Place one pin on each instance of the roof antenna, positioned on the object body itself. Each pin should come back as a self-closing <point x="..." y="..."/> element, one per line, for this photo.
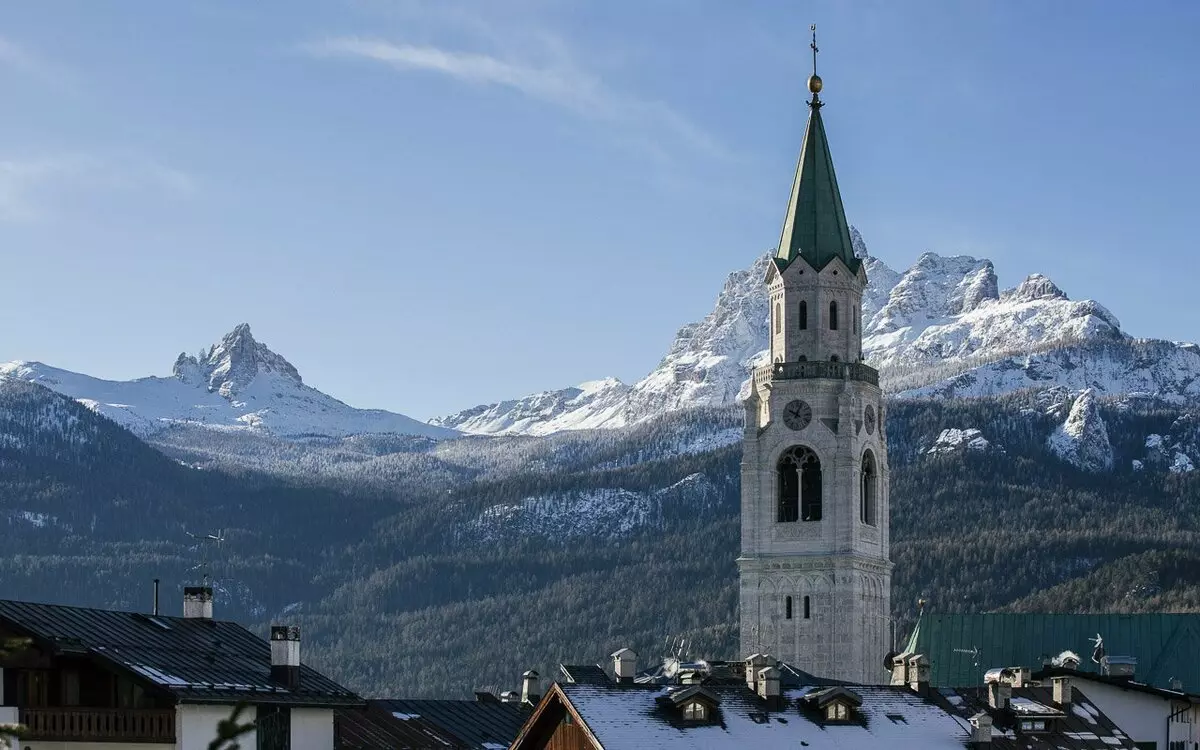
<point x="1098" y="648"/>
<point x="155" y="597"/>
<point x="206" y="541"/>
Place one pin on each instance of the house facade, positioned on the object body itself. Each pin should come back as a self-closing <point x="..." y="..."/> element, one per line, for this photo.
<point x="80" y="679"/>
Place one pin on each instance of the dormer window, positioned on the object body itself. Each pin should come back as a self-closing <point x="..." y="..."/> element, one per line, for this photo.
<point x="1033" y="725"/>
<point x="837" y="711"/>
<point x="691" y="704"/>
<point x="695" y="711"/>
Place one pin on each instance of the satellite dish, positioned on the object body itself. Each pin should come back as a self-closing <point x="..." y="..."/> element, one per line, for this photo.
<point x="887" y="660"/>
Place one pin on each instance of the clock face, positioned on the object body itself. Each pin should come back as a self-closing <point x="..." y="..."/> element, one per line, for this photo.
<point x="869" y="419"/>
<point x="797" y="415"/>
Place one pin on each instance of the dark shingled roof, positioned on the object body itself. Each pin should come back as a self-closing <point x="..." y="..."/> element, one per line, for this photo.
<point x="196" y="660"/>
<point x="412" y="724"/>
<point x="1082" y="726"/>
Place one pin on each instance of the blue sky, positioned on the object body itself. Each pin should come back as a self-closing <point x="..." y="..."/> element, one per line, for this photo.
<point x="428" y="205"/>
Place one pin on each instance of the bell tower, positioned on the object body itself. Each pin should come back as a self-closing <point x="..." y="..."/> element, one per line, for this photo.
<point x="815" y="573"/>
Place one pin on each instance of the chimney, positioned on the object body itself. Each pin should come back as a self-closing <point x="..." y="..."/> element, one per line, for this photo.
<point x="529" y="687"/>
<point x="981" y="729"/>
<point x="510" y="696"/>
<point x="918" y="674"/>
<point x="899" y="669"/>
<point x="198" y="602"/>
<point x="1062" y="690"/>
<point x="1022" y="676"/>
<point x="754" y="663"/>
<point x="625" y="665"/>
<point x="768" y="684"/>
<point x="285" y="656"/>
<point x="155" y="596"/>
<point x="1119" y="666"/>
<point x="691" y="677"/>
<point x="999" y="694"/>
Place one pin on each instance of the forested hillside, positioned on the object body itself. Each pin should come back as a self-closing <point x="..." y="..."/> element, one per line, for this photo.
<point x="430" y="568"/>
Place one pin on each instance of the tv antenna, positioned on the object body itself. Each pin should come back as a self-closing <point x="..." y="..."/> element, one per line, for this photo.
<point x="206" y="542"/>
<point x="973" y="652"/>
<point x="1097" y="648"/>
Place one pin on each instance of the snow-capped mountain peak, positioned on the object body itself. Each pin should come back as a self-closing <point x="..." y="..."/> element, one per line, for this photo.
<point x="940" y="328"/>
<point x="232" y="364"/>
<point x="235" y="384"/>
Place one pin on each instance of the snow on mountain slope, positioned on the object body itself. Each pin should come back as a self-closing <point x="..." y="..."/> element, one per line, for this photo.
<point x="237" y="384"/>
<point x="942" y="328"/>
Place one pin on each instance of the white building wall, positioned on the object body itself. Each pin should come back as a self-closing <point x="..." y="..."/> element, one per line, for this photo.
<point x="312" y="729"/>
<point x="196" y="726"/>
<point x="1141" y="716"/>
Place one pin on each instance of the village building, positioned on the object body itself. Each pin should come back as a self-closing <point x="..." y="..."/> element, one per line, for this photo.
<point x="764" y="703"/>
<point x="82" y="679"/>
<point x="486" y="723"/>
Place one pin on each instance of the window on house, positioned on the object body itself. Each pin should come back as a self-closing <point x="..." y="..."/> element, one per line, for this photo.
<point x="803" y="315"/>
<point x="806" y="610"/>
<point x="837" y="711"/>
<point x="1033" y="725"/>
<point x="867" y="491"/>
<point x="833" y="316"/>
<point x="778" y="319"/>
<point x="787" y="608"/>
<point x="33" y="688"/>
<point x="69" y="687"/>
<point x="835" y="358"/>
<point x="799" y="478"/>
<point x="695" y="711"/>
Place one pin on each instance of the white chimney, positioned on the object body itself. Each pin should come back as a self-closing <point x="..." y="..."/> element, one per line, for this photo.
<point x="900" y="669"/>
<point x="768" y="683"/>
<point x="754" y="663"/>
<point x="918" y="673"/>
<point x="1062" y="690"/>
<point x="981" y="729"/>
<point x="625" y="665"/>
<point x="285" y="656"/>
<point x="529" y="687"/>
<point x="198" y="602"/>
<point x="510" y="696"/>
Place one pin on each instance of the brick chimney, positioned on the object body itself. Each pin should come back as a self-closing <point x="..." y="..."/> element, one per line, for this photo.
<point x="981" y="729"/>
<point x="529" y="687"/>
<point x="625" y="665"/>
<point x="198" y="602"/>
<point x="1062" y="690"/>
<point x="285" y="656"/>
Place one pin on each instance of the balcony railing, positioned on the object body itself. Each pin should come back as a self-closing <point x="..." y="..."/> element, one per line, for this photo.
<point x="99" y="724"/>
<point x="829" y="370"/>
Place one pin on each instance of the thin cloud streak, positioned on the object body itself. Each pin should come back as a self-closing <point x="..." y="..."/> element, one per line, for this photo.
<point x="29" y="186"/>
<point x="560" y="84"/>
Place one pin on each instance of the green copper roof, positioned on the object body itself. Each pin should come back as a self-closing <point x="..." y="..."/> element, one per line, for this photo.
<point x="815" y="225"/>
<point x="1166" y="645"/>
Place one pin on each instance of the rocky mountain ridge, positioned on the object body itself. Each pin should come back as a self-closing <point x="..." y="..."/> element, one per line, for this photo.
<point x="942" y="328"/>
<point x="236" y="384"/>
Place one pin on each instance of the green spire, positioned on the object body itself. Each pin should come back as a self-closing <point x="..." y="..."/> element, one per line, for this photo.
<point x="815" y="225"/>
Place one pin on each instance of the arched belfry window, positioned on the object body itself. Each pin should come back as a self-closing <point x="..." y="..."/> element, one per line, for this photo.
<point x="806" y="608"/>
<point x="778" y="319"/>
<point x="833" y="321"/>
<point x="854" y="317"/>
<point x="868" y="502"/>
<point x="799" y="480"/>
<point x="787" y="608"/>
<point x="803" y="315"/>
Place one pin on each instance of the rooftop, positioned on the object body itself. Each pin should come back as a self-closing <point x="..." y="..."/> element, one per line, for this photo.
<point x="197" y="660"/>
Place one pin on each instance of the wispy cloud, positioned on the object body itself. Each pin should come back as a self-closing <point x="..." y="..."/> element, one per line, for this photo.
<point x="557" y="81"/>
<point x="30" y="187"/>
<point x="16" y="57"/>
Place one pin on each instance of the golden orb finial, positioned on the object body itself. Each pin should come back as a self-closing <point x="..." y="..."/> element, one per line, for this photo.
<point x="814" y="83"/>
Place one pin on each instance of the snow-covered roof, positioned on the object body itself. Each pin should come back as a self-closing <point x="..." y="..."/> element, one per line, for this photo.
<point x="894" y="717"/>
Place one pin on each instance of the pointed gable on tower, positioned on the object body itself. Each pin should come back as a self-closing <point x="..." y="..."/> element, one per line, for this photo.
<point x="815" y="225"/>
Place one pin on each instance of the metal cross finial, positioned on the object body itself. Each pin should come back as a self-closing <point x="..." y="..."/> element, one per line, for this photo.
<point x="813" y="29"/>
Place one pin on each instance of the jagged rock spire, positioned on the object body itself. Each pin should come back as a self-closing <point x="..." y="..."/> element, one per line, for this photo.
<point x="815" y="225"/>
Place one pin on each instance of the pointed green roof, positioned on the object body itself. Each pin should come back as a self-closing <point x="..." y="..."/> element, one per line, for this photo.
<point x="815" y="225"/>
